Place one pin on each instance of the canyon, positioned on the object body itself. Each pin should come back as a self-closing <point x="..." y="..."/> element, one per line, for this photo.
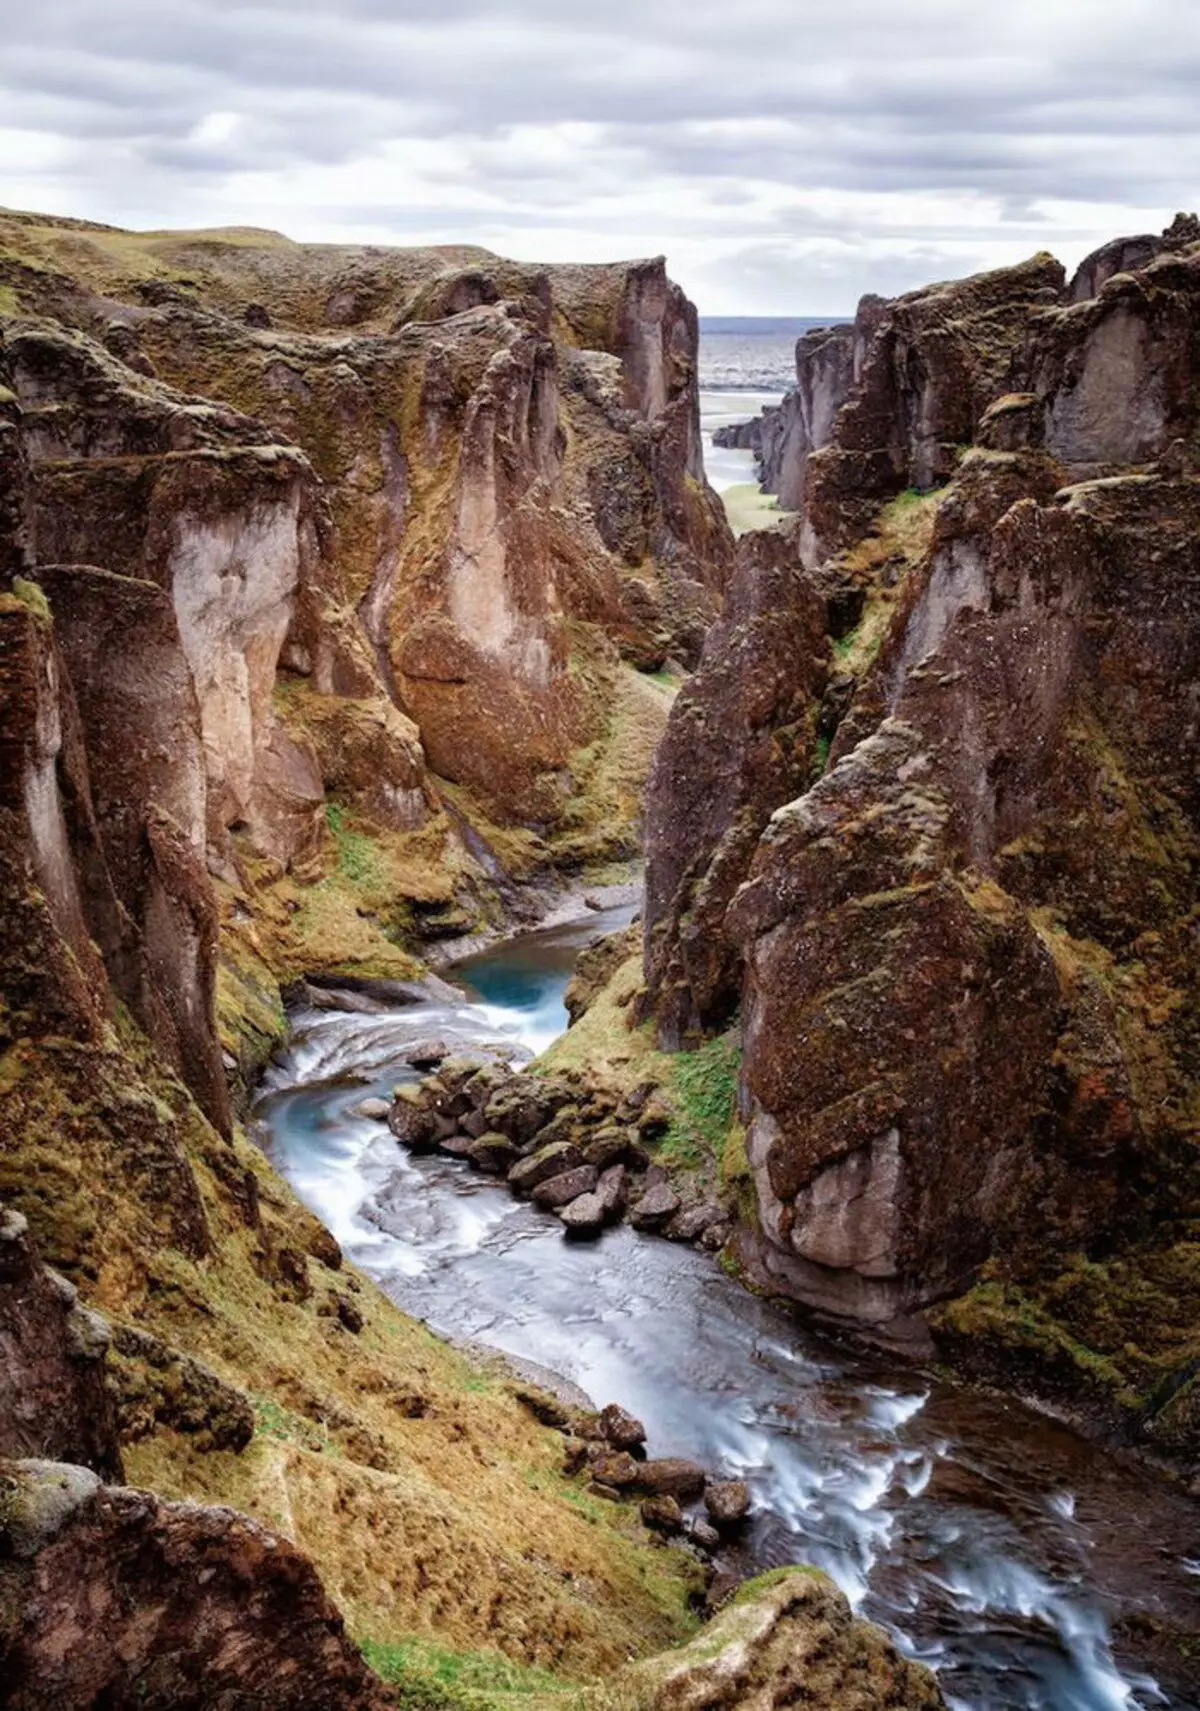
<point x="356" y="606"/>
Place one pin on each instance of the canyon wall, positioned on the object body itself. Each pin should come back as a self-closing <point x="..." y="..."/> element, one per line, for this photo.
<point x="946" y="739"/>
<point x="428" y="523"/>
<point x="311" y="645"/>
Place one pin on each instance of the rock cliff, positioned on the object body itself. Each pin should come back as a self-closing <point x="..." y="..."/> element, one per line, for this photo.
<point x="947" y="865"/>
<point x="424" y="521"/>
<point x="330" y="582"/>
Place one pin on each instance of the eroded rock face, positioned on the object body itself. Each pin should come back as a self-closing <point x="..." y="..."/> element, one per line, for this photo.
<point x="114" y="1597"/>
<point x="944" y="947"/>
<point x="931" y="362"/>
<point x="804" y="422"/>
<point x="741" y="739"/>
<point x="927" y="1078"/>
<point x="53" y="1401"/>
<point x="1117" y="372"/>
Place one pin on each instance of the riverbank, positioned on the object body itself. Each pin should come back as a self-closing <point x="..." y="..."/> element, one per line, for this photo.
<point x="991" y="1539"/>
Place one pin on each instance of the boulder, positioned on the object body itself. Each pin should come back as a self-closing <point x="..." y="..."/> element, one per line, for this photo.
<point x="493" y="1154"/>
<point x="661" y="1515"/>
<point x="690" y="1223"/>
<point x="523" y="1105"/>
<point x="456" y="1145"/>
<point x="786" y="1639"/>
<point x="113" y="1597"/>
<point x="654" y="1208"/>
<point x="564" y="1126"/>
<point x="670" y="1476"/>
<point x="727" y="1501"/>
<point x="620" y="1429"/>
<point x="559" y="1191"/>
<point x="540" y="1166"/>
<point x="613" y="1191"/>
<point x="615" y="1467"/>
<point x="586" y="1216"/>
<point x="374" y="1110"/>
<point x="412" y="1122"/>
<point x="426" y="1054"/>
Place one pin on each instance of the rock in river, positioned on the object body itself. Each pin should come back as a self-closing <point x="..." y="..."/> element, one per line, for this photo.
<point x="620" y="1429"/>
<point x="561" y="1190"/>
<point x="586" y="1216"/>
<point x="727" y="1501"/>
<point x="540" y="1166"/>
<point x="652" y="1211"/>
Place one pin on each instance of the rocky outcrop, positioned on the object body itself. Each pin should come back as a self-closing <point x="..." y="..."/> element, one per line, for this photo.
<point x="114" y="1597"/>
<point x="1129" y="255"/>
<point x="946" y="940"/>
<point x="53" y="1402"/>
<point x="788" y="1639"/>
<point x="933" y="361"/>
<point x="418" y="516"/>
<point x="742" y="738"/>
<point x="827" y="361"/>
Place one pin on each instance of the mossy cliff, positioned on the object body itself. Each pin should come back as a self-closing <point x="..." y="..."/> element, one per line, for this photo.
<point x="925" y="822"/>
<point x="333" y="590"/>
<point x="426" y="519"/>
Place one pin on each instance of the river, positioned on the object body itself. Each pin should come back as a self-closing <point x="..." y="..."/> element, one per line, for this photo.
<point x="994" y="1544"/>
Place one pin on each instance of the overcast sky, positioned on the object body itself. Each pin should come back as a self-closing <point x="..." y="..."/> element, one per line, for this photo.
<point x="787" y="155"/>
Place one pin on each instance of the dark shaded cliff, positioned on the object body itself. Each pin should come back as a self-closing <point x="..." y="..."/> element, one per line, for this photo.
<point x="948" y="863"/>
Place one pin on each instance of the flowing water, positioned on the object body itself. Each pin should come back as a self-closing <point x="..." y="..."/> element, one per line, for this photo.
<point x="994" y="1544"/>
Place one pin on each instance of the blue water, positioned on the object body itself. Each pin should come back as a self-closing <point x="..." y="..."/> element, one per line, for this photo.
<point x="991" y="1542"/>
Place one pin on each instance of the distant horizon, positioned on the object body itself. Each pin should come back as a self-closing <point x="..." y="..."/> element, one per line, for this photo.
<point x="770" y="323"/>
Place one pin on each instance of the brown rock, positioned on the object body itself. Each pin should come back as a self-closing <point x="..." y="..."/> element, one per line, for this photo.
<point x="613" y="1190"/>
<point x="53" y="1400"/>
<point x="412" y="1122"/>
<point x="559" y="1191"/>
<point x="493" y="1154"/>
<point x="540" y="1166"/>
<point x="727" y="1501"/>
<point x="620" y="1429"/>
<point x="661" y="1515"/>
<point x="690" y="1223"/>
<point x="426" y="1054"/>
<point x="584" y="1217"/>
<point x="670" y="1477"/>
<point x="455" y="1145"/>
<point x="793" y="1642"/>
<point x="616" y="1468"/>
<point x="111" y="1596"/>
<point x="654" y="1208"/>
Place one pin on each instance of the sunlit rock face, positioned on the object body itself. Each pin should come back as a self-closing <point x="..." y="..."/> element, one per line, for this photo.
<point x="944" y="932"/>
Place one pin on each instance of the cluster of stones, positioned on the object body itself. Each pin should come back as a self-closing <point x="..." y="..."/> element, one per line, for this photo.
<point x="581" y="1153"/>
<point x="610" y="1447"/>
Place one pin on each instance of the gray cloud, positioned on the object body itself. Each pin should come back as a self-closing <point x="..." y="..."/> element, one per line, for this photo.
<point x="778" y="151"/>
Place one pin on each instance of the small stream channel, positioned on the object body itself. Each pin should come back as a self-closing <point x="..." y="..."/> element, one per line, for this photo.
<point x="996" y="1545"/>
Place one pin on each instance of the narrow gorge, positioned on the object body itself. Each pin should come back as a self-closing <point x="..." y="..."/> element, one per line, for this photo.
<point x="488" y="952"/>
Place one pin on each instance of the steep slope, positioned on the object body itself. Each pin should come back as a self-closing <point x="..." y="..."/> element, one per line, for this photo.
<point x="208" y="784"/>
<point x="949" y="871"/>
